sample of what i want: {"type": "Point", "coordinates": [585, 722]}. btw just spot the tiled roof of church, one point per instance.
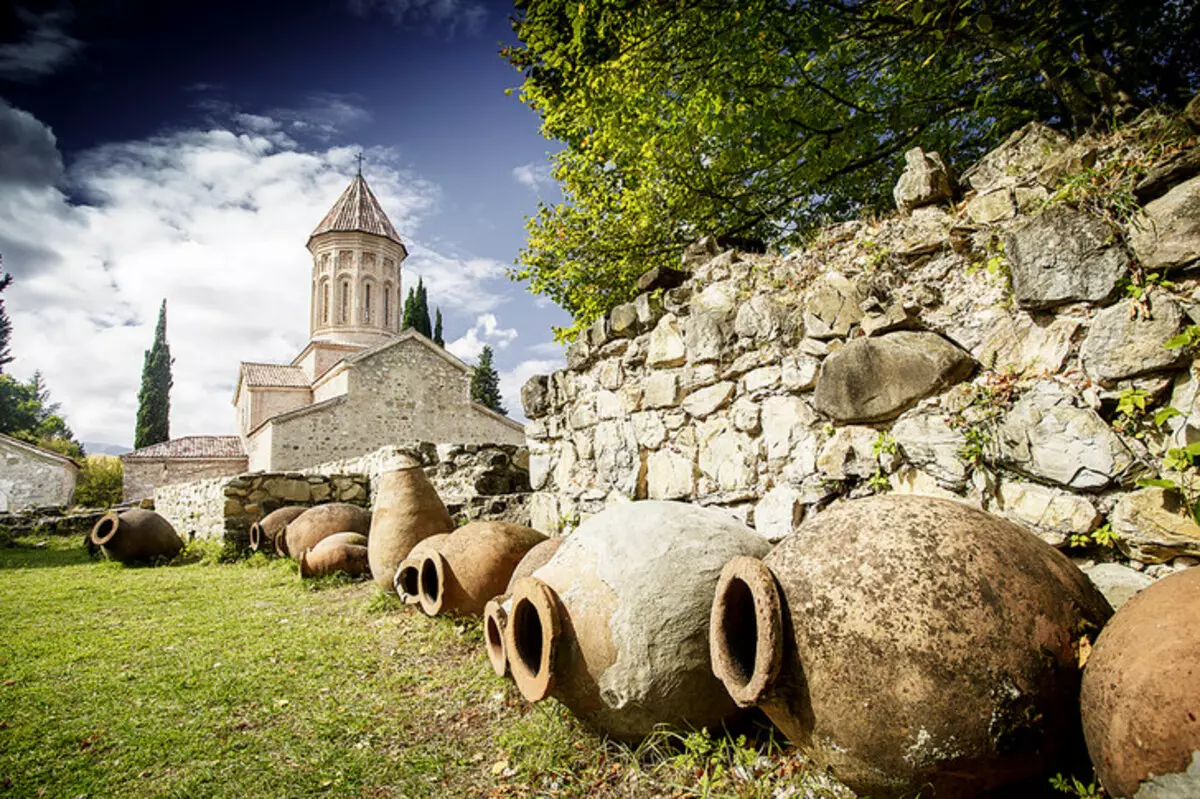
{"type": "Point", "coordinates": [273, 375]}
{"type": "Point", "coordinates": [357, 210]}
{"type": "Point", "coordinates": [191, 447]}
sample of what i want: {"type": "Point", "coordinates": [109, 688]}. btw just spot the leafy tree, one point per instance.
{"type": "Point", "coordinates": [485, 383]}
{"type": "Point", "coordinates": [100, 482]}
{"type": "Point", "coordinates": [760, 119]}
{"type": "Point", "coordinates": [27, 413]}
{"type": "Point", "coordinates": [437, 330]}
{"type": "Point", "coordinates": [154, 398]}
{"type": "Point", "coordinates": [5, 325]}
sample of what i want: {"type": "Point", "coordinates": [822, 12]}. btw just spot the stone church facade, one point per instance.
{"type": "Point", "coordinates": [360, 383]}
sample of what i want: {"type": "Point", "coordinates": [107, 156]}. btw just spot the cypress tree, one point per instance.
{"type": "Point", "coordinates": [437, 330]}
{"type": "Point", "coordinates": [421, 315]}
{"type": "Point", "coordinates": [485, 383]}
{"type": "Point", "coordinates": [154, 399]}
{"type": "Point", "coordinates": [410, 307]}
{"type": "Point", "coordinates": [5, 325]}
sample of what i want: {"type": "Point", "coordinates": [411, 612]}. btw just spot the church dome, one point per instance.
{"type": "Point", "coordinates": [358, 211]}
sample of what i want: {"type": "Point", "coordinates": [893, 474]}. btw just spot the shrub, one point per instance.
{"type": "Point", "coordinates": [99, 484]}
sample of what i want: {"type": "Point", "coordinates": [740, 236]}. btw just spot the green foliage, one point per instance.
{"type": "Point", "coordinates": [5, 324]}
{"type": "Point", "coordinates": [485, 383]}
{"type": "Point", "coordinates": [99, 484]}
{"type": "Point", "coordinates": [758, 120]}
{"type": "Point", "coordinates": [1074, 787]}
{"type": "Point", "coordinates": [154, 398]}
{"type": "Point", "coordinates": [1103, 536]}
{"type": "Point", "coordinates": [1189, 338]}
{"type": "Point", "coordinates": [1132, 409]}
{"type": "Point", "coordinates": [1183, 462]}
{"type": "Point", "coordinates": [416, 311]}
{"type": "Point", "coordinates": [437, 330]}
{"type": "Point", "coordinates": [410, 307]}
{"type": "Point", "coordinates": [27, 413]}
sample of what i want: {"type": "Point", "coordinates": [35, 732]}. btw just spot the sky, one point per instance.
{"type": "Point", "coordinates": [185, 150]}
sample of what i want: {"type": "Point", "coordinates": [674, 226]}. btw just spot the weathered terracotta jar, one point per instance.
{"type": "Point", "coordinates": [407, 509]}
{"type": "Point", "coordinates": [911, 645]}
{"type": "Point", "coordinates": [1141, 686]}
{"type": "Point", "coordinates": [495, 612]}
{"type": "Point", "coordinates": [306, 530]}
{"type": "Point", "coordinates": [135, 536]}
{"type": "Point", "coordinates": [615, 625]}
{"type": "Point", "coordinates": [407, 581]}
{"type": "Point", "coordinates": [340, 552]}
{"type": "Point", "coordinates": [267, 532]}
{"type": "Point", "coordinates": [472, 565]}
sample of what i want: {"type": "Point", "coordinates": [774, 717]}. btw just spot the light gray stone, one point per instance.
{"type": "Point", "coordinates": [543, 513]}
{"type": "Point", "coordinates": [718, 299]}
{"type": "Point", "coordinates": [583, 414]}
{"type": "Point", "coordinates": [1117, 582]}
{"type": "Point", "coordinates": [535, 396]}
{"type": "Point", "coordinates": [1027, 345]}
{"type": "Point", "coordinates": [1054, 515]}
{"type": "Point", "coordinates": [909, 479]}
{"type": "Point", "coordinates": [704, 402]}
{"type": "Point", "coordinates": [778, 513]}
{"type": "Point", "coordinates": [760, 380]}
{"type": "Point", "coordinates": [578, 353]}
{"type": "Point", "coordinates": [1048, 437]}
{"type": "Point", "coordinates": [609, 405]}
{"type": "Point", "coordinates": [623, 320]}
{"type": "Point", "coordinates": [926, 231]}
{"type": "Point", "coordinates": [649, 430]}
{"type": "Point", "coordinates": [894, 317]}
{"type": "Point", "coordinates": [699, 375]}
{"type": "Point", "coordinates": [1187, 784]}
{"type": "Point", "coordinates": [832, 307]}
{"type": "Point", "coordinates": [991, 206]}
{"type": "Point", "coordinates": [1166, 235]}
{"type": "Point", "coordinates": [927, 441]}
{"type": "Point", "coordinates": [617, 460]}
{"type": "Point", "coordinates": [539, 471]}
{"type": "Point", "coordinates": [760, 318]}
{"type": "Point", "coordinates": [785, 421]}
{"type": "Point", "coordinates": [727, 456]}
{"type": "Point", "coordinates": [1123, 342]}
{"type": "Point", "coordinates": [874, 379]}
{"type": "Point", "coordinates": [1154, 526]}
{"type": "Point", "coordinates": [799, 372]}
{"type": "Point", "coordinates": [1022, 154]}
{"type": "Point", "coordinates": [649, 310]}
{"type": "Point", "coordinates": [1061, 256]}
{"type": "Point", "coordinates": [610, 375]}
{"type": "Point", "coordinates": [705, 336]}
{"type": "Point", "coordinates": [925, 181]}
{"type": "Point", "coordinates": [666, 346]}
{"type": "Point", "coordinates": [745, 415]}
{"type": "Point", "coordinates": [669, 475]}
{"type": "Point", "coordinates": [849, 453]}
{"type": "Point", "coordinates": [661, 390]}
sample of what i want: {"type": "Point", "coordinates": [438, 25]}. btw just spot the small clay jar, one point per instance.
{"type": "Point", "coordinates": [267, 532]}
{"type": "Point", "coordinates": [407, 582]}
{"type": "Point", "coordinates": [135, 536]}
{"type": "Point", "coordinates": [471, 565]}
{"type": "Point", "coordinates": [495, 612]}
{"type": "Point", "coordinates": [341, 552]}
{"type": "Point", "coordinates": [615, 624]}
{"type": "Point", "coordinates": [306, 530]}
{"type": "Point", "coordinates": [407, 510]}
{"type": "Point", "coordinates": [911, 645]}
{"type": "Point", "coordinates": [1141, 688]}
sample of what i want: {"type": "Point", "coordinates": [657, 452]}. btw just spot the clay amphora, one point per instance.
{"type": "Point", "coordinates": [407, 509]}
{"type": "Point", "coordinates": [407, 581]}
{"type": "Point", "coordinates": [136, 536]}
{"type": "Point", "coordinates": [495, 612]}
{"type": "Point", "coordinates": [341, 552]}
{"type": "Point", "coordinates": [306, 530]}
{"type": "Point", "coordinates": [267, 532]}
{"type": "Point", "coordinates": [471, 565]}
{"type": "Point", "coordinates": [615, 625]}
{"type": "Point", "coordinates": [910, 644]}
{"type": "Point", "coordinates": [1141, 687]}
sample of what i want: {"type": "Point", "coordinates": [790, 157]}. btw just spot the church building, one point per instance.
{"type": "Point", "coordinates": [360, 383]}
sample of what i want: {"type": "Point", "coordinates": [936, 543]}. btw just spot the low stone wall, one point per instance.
{"type": "Point", "coordinates": [475, 481]}
{"type": "Point", "coordinates": [1006, 351]}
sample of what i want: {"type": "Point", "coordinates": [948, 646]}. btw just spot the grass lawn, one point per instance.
{"type": "Point", "coordinates": [202, 679]}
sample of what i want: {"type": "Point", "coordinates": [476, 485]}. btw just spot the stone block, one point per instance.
{"type": "Point", "coordinates": [669, 475]}
{"type": "Point", "coordinates": [666, 347]}
{"type": "Point", "coordinates": [535, 396]}
{"type": "Point", "coordinates": [1125, 342]}
{"type": "Point", "coordinates": [704, 402]}
{"type": "Point", "coordinates": [1166, 234]}
{"type": "Point", "coordinates": [661, 390]}
{"type": "Point", "coordinates": [925, 181]}
{"type": "Point", "coordinates": [1061, 256]}
{"type": "Point", "coordinates": [778, 513]}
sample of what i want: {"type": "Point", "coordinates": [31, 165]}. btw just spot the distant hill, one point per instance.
{"type": "Point", "coordinates": [97, 448]}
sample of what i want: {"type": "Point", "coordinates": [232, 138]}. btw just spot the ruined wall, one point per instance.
{"type": "Point", "coordinates": [1006, 350]}
{"type": "Point", "coordinates": [30, 478]}
{"type": "Point", "coordinates": [143, 476]}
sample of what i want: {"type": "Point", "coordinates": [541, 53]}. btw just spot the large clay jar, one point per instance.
{"type": "Point", "coordinates": [615, 625]}
{"type": "Point", "coordinates": [910, 644]}
{"type": "Point", "coordinates": [267, 532]}
{"type": "Point", "coordinates": [407, 510]}
{"type": "Point", "coordinates": [495, 612]}
{"type": "Point", "coordinates": [1141, 687]}
{"type": "Point", "coordinates": [340, 552]}
{"type": "Point", "coordinates": [471, 565]}
{"type": "Point", "coordinates": [407, 582]}
{"type": "Point", "coordinates": [135, 536]}
{"type": "Point", "coordinates": [309, 528]}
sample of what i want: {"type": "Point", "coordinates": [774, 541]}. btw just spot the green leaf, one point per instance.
{"type": "Point", "coordinates": [1163, 414]}
{"type": "Point", "coordinates": [1157, 482]}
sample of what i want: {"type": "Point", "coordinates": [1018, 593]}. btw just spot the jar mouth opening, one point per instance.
{"type": "Point", "coordinates": [530, 637]}
{"type": "Point", "coordinates": [745, 635]}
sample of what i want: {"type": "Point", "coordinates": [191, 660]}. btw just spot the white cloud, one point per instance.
{"type": "Point", "coordinates": [487, 330]}
{"type": "Point", "coordinates": [45, 48]}
{"type": "Point", "coordinates": [213, 220]}
{"type": "Point", "coordinates": [448, 16]}
{"type": "Point", "coordinates": [533, 176]}
{"type": "Point", "coordinates": [512, 380]}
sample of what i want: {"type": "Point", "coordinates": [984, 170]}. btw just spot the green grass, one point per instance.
{"type": "Point", "coordinates": [208, 679]}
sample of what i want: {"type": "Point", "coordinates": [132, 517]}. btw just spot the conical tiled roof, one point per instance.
{"type": "Point", "coordinates": [357, 210]}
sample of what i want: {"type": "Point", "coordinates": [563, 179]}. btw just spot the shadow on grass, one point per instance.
{"type": "Point", "coordinates": [44, 552]}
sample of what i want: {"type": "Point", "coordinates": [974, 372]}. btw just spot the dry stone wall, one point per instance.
{"type": "Point", "coordinates": [1006, 350]}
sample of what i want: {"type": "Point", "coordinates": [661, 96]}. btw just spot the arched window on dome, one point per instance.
{"type": "Point", "coordinates": [387, 305]}
{"type": "Point", "coordinates": [368, 296]}
{"type": "Point", "coordinates": [325, 301]}
{"type": "Point", "coordinates": [345, 301]}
